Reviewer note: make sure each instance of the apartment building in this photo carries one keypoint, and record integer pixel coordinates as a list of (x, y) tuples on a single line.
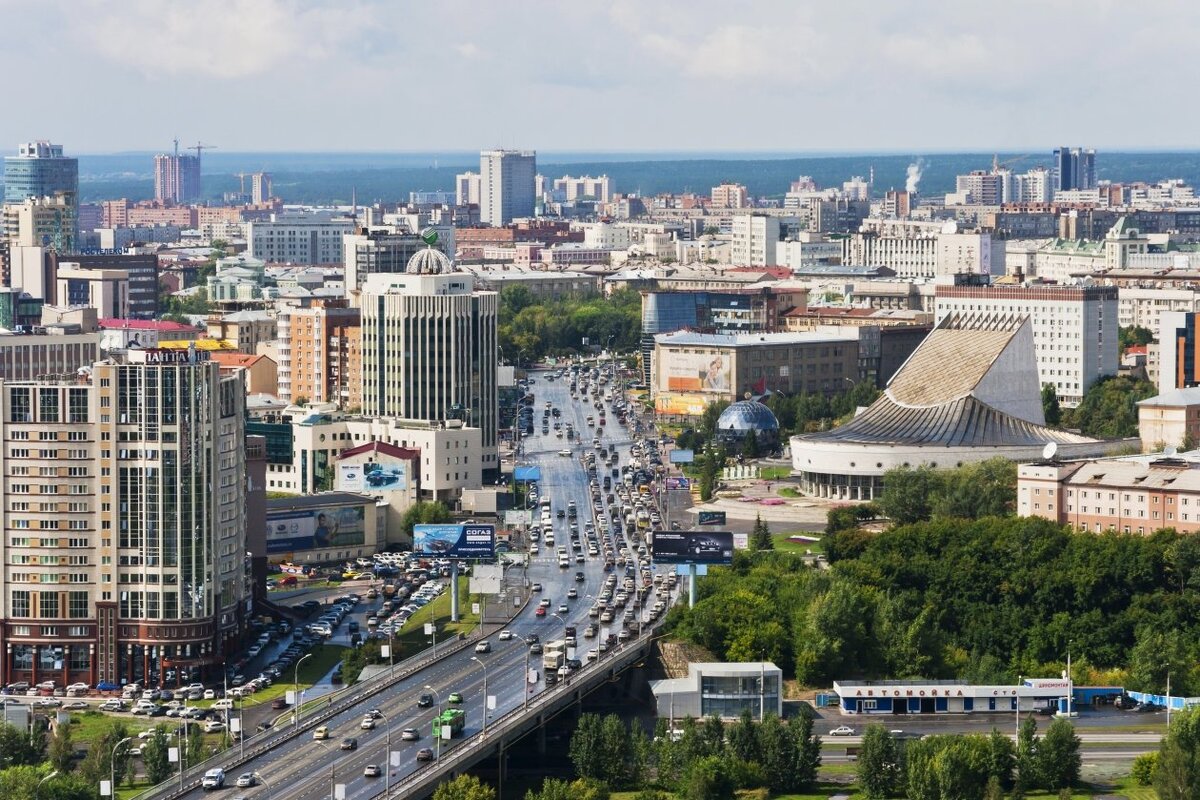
[(124, 522), (298, 238), (1074, 328), (754, 241), (324, 351)]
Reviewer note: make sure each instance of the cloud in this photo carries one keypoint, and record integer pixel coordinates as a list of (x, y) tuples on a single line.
[(468, 50), (217, 38)]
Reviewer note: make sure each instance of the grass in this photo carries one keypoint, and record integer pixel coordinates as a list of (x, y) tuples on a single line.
[(784, 545), (324, 658), (788, 491), (88, 726), (774, 473), (412, 636)]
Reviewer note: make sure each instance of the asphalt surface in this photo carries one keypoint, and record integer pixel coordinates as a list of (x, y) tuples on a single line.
[(304, 769)]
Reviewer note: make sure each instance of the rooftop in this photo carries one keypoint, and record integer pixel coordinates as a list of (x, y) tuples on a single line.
[(160, 325), (319, 500), (690, 339), (1175, 397)]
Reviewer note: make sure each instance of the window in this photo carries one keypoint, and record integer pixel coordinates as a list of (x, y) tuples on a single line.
[(78, 605), (48, 601), (48, 405), (20, 603), (78, 406), (20, 408)]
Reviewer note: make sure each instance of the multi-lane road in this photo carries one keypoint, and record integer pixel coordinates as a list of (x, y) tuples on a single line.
[(306, 769)]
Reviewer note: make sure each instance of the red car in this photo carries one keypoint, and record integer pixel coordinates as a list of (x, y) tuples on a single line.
[(541, 611)]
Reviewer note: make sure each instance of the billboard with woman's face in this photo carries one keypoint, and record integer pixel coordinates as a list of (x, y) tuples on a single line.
[(699, 372)]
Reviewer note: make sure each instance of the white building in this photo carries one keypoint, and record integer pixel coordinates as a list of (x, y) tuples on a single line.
[(807, 250), (506, 188), (922, 249), (298, 238), (467, 188), (599, 189), (1146, 306), (721, 689), (429, 349), (1074, 328), (730, 195), (754, 240)]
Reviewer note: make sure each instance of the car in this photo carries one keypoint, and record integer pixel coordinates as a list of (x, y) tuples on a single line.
[(75, 705), (565, 452), (374, 713), (425, 754), (425, 700), (372, 771), (349, 743), (505, 635), (213, 726), (367, 724), (483, 647), (246, 780), (540, 611), (410, 735), (455, 698), (213, 779), (842, 730), (572, 593), (279, 703), (537, 587), (321, 732), (563, 609)]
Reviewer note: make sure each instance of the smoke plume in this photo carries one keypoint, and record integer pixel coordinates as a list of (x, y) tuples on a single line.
[(912, 175)]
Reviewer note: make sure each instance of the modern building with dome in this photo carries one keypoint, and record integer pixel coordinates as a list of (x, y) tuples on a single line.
[(743, 417), (429, 348), (968, 393)]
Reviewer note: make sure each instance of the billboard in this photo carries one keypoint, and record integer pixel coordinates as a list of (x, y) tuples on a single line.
[(682, 456), (486, 579), (711, 518), (741, 541), (692, 547), (688, 405), (315, 528), (678, 483), (698, 372), (372, 478), (469, 540)]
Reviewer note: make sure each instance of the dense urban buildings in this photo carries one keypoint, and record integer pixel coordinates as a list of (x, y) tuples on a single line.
[(39, 169)]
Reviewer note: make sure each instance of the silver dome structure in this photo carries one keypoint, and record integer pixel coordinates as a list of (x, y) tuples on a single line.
[(745, 416), (429, 261)]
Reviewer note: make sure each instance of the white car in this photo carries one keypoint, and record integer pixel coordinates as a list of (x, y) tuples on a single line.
[(565, 453), (842, 730), (505, 636)]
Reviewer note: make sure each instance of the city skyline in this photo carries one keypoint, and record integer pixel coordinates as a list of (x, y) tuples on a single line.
[(850, 78)]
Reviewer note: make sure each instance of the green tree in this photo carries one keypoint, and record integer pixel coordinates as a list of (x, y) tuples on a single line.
[(155, 756), (1028, 773), (880, 766), (1133, 335), (61, 750), (908, 493), (743, 738), (712, 734), (552, 789), (600, 749), (984, 489), (424, 512), (1145, 769), (1109, 408), (100, 763), (1059, 757), (1002, 758), (750, 447), (1178, 773), (1050, 407), (17, 748), (464, 787), (760, 535), (708, 778), (807, 752)]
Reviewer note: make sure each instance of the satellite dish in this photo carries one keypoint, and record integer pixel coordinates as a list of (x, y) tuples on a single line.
[(1170, 450), (1049, 451)]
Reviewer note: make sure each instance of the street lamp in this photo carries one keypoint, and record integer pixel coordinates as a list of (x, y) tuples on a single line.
[(387, 753), (332, 769), (38, 788), (112, 767), (525, 677), (258, 777), (437, 697), (296, 690), (485, 694)]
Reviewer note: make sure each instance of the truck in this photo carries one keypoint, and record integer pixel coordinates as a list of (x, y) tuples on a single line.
[(554, 654), (456, 718)]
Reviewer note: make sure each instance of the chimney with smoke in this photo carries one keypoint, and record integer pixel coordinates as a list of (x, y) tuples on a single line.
[(912, 175)]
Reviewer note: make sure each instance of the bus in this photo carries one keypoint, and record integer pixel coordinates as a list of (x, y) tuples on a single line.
[(455, 718)]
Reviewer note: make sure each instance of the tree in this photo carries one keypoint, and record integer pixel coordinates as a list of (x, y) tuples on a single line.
[(61, 751), (552, 789), (100, 762), (750, 445), (1050, 407), (984, 489), (1178, 773), (17, 749), (880, 766), (708, 778), (1028, 775), (807, 755), (760, 535), (1059, 759), (1145, 769), (712, 735), (464, 787), (155, 756), (1109, 408), (1001, 759), (908, 494), (743, 739), (423, 512), (1132, 336), (601, 749)]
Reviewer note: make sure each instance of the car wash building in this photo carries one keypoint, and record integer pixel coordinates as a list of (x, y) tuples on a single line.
[(956, 697)]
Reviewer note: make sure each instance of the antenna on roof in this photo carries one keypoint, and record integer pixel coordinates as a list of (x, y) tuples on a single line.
[(1050, 451)]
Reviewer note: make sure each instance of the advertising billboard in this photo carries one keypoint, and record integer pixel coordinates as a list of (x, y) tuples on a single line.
[(315, 528), (682, 456), (698, 372), (469, 540), (692, 547), (372, 478), (688, 405), (350, 478), (711, 518)]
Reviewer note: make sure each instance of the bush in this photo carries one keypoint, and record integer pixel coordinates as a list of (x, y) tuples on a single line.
[(1144, 769)]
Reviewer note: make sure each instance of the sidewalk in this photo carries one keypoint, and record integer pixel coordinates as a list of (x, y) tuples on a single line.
[(810, 512)]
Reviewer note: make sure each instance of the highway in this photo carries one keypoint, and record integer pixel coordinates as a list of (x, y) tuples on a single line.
[(305, 769)]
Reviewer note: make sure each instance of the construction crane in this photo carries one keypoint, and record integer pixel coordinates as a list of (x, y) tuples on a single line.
[(1008, 162), (198, 147), (241, 176)]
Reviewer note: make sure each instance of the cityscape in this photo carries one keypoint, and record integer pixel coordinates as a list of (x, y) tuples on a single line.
[(672, 429)]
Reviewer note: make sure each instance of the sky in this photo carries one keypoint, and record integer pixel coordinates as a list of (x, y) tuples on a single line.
[(645, 75)]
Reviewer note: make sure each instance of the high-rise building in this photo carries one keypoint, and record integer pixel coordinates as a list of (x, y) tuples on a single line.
[(260, 188), (1074, 168), (324, 354), (298, 238), (599, 189), (176, 177), (755, 237), (369, 251), (730, 195), (124, 529), (467, 189), (1178, 351), (980, 187), (506, 185), (39, 169), (429, 349), (41, 222)]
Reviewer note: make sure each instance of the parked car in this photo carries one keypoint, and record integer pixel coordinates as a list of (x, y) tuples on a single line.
[(842, 730)]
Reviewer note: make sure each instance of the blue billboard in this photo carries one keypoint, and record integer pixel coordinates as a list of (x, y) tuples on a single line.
[(682, 456), (469, 540), (711, 518)]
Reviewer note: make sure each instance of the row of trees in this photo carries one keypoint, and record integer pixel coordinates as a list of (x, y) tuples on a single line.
[(542, 327), (983, 489), (807, 413), (954, 767), (983, 600)]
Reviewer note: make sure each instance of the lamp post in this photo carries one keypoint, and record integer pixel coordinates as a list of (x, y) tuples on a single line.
[(437, 696), (525, 676), (332, 770), (38, 788), (258, 777), (112, 767), (1168, 666), (1017, 723), (387, 753), (485, 694), (296, 690)]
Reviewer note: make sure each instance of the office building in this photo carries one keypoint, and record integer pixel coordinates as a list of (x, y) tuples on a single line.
[(324, 355), (754, 240), (429, 349), (506, 185), (140, 268), (40, 351), (730, 195), (176, 177), (298, 238), (1074, 328), (1179, 351), (261, 189), (721, 690), (245, 329), (978, 187), (385, 249), (1074, 169), (39, 169), (467, 189), (923, 249), (106, 290), (132, 570), (47, 222)]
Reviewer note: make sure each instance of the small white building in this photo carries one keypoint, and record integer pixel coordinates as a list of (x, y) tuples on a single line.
[(958, 697), (722, 689)]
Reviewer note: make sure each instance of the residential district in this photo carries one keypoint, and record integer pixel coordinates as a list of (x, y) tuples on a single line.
[(540, 480)]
